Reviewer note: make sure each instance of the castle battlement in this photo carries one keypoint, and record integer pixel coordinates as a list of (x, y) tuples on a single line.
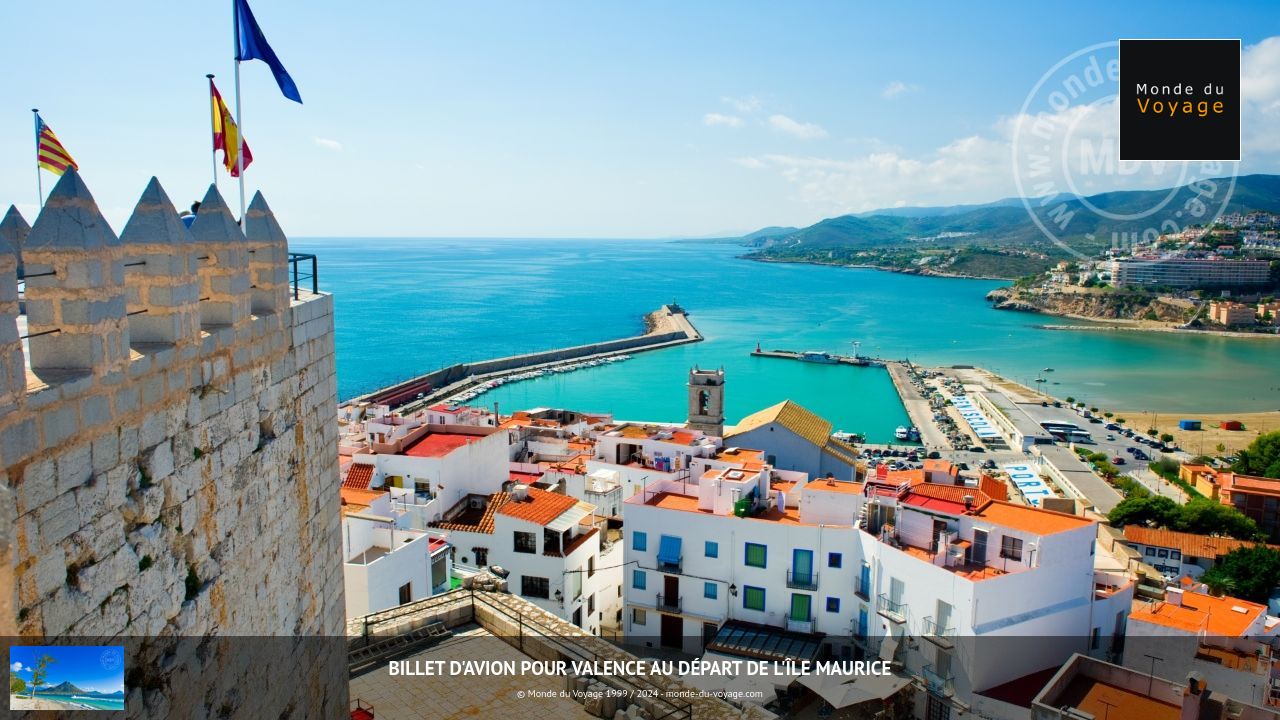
[(168, 453)]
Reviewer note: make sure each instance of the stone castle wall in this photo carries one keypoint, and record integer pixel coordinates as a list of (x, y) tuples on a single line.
[(175, 489)]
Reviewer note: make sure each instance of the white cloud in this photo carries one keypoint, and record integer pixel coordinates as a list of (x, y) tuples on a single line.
[(795, 128), (16, 667), (748, 104), (896, 88), (328, 143), (980, 167), (714, 119)]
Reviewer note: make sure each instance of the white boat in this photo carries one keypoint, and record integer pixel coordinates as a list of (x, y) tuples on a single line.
[(902, 432)]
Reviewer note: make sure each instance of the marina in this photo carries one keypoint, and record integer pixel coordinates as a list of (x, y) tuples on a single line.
[(818, 356)]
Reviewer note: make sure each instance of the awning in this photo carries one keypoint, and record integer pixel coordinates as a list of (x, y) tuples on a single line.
[(669, 550), (844, 690), (569, 518)]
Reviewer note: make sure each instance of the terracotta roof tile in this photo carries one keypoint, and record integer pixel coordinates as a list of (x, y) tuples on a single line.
[(1205, 546), (485, 523), (791, 416), (540, 507), (1217, 616), (358, 477)]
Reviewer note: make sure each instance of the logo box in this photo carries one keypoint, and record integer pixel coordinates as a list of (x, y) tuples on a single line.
[(1180, 100)]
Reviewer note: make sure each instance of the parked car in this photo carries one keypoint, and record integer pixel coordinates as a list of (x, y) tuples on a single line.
[(977, 449), (1139, 455), (934, 455), (1117, 460), (1132, 450), (1111, 437)]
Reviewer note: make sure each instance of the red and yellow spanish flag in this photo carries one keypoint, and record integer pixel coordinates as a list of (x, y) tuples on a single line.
[(226, 136), (50, 154)]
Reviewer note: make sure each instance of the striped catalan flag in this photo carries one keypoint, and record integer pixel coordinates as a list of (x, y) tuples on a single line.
[(50, 154)]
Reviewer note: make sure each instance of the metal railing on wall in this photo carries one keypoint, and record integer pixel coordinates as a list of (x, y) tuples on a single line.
[(298, 262)]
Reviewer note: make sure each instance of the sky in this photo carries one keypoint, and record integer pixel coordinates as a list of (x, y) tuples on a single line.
[(81, 665), (573, 119)]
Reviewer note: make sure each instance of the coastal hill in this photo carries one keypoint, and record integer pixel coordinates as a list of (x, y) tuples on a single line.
[(998, 239), (62, 688)]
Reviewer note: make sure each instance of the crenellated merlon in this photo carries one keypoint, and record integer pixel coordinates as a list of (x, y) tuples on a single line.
[(88, 303)]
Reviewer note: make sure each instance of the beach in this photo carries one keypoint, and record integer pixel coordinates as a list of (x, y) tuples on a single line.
[(26, 703), (1205, 442)]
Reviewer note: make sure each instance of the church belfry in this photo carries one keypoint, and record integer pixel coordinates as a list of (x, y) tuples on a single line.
[(706, 401)]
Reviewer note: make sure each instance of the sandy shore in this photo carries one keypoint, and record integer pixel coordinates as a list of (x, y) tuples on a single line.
[(39, 703), (1206, 441)]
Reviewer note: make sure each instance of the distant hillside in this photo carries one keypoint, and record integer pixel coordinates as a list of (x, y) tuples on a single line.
[(1004, 224), (62, 688)]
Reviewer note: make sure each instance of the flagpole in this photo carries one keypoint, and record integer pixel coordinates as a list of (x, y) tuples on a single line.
[(213, 131), (35, 115), (235, 26)]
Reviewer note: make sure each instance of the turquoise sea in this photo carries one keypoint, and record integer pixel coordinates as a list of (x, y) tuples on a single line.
[(408, 306), (95, 703)]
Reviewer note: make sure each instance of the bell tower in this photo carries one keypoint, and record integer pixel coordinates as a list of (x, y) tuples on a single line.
[(706, 401)]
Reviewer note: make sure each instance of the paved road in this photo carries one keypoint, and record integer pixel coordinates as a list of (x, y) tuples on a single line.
[(918, 408)]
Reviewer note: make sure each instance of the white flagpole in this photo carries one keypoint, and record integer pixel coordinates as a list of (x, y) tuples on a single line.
[(35, 115), (235, 25), (213, 131)]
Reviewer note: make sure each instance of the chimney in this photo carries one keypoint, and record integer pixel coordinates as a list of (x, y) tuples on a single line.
[(520, 492), (1173, 596), (968, 503), (831, 479)]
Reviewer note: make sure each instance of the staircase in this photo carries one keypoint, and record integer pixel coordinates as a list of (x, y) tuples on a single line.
[(862, 516)]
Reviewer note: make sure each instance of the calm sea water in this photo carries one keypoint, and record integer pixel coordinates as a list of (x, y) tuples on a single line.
[(408, 306), (92, 702)]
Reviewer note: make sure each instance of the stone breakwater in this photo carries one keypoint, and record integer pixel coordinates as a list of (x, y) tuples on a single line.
[(668, 326), (169, 461)]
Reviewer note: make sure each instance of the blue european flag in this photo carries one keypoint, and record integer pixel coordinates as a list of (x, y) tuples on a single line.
[(252, 45)]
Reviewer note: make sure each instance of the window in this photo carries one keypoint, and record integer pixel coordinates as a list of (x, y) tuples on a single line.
[(1175, 554), (591, 566), (1151, 552), (638, 617), (711, 549), (591, 603), (638, 579), (406, 592), (710, 590), (756, 555), (1011, 548), (834, 560), (833, 604), (482, 556), (1164, 553), (1095, 640), (639, 541), (753, 598), (535, 587), (526, 542)]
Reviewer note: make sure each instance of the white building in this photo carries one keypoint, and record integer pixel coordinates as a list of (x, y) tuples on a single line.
[(795, 439), (384, 565), (549, 545), (994, 590)]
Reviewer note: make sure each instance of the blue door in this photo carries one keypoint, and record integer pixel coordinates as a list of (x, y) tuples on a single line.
[(862, 622), (864, 581)]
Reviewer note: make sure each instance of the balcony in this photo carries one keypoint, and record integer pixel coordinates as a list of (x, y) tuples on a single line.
[(800, 626), (670, 565), (668, 603), (894, 611), (940, 636), (939, 683), (802, 581), (863, 589)]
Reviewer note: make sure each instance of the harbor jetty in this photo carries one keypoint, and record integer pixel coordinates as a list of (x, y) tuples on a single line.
[(824, 358), (668, 326)]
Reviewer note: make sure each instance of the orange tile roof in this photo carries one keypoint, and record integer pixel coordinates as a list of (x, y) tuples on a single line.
[(993, 488), (439, 444), (950, 493), (357, 500), (358, 477), (915, 477), (748, 458), (1029, 519), (540, 506), (485, 523), (1205, 546), (1217, 616)]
